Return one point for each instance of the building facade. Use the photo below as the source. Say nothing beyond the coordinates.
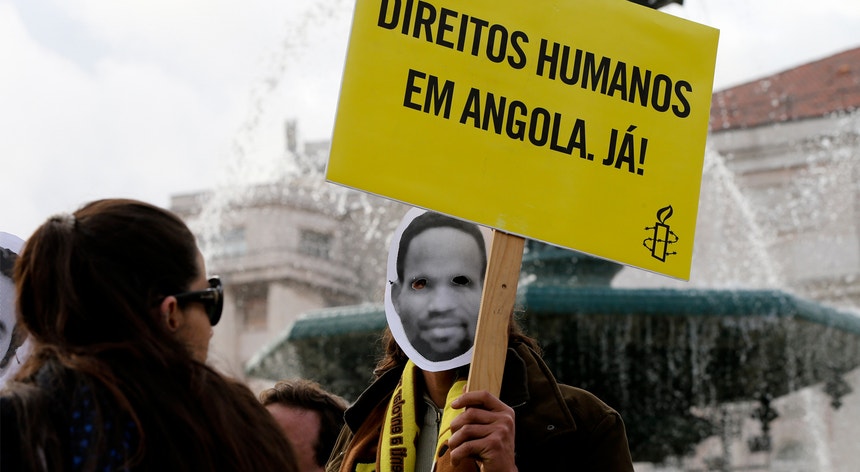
(780, 200)
(780, 208)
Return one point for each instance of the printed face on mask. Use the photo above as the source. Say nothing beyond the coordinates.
(439, 295)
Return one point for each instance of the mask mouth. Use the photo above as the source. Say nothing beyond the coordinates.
(442, 335)
(443, 322)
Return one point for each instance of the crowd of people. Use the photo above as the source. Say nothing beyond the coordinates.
(107, 314)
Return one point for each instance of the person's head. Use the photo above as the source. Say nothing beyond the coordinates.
(439, 269)
(310, 417)
(115, 298)
(116, 272)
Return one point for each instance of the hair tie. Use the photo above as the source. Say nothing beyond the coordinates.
(66, 220)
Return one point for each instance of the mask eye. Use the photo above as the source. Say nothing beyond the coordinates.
(419, 284)
(461, 280)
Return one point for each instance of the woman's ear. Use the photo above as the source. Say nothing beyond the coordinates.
(169, 309)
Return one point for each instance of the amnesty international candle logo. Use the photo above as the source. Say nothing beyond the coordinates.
(661, 236)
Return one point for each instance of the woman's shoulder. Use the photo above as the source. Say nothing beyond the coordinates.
(34, 394)
(10, 444)
(28, 414)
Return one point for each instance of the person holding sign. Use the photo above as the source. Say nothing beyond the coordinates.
(415, 416)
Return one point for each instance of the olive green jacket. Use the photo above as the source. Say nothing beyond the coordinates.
(558, 427)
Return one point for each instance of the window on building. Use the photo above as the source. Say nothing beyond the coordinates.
(233, 242)
(252, 302)
(315, 244)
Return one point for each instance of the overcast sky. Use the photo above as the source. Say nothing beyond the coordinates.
(152, 98)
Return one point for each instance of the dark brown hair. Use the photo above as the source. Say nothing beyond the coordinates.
(309, 395)
(89, 286)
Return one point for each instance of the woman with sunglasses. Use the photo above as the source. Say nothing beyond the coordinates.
(116, 300)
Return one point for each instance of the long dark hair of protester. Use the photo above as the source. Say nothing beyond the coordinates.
(89, 288)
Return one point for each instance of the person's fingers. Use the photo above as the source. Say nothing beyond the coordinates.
(476, 415)
(480, 407)
(489, 447)
(495, 433)
(481, 399)
(484, 431)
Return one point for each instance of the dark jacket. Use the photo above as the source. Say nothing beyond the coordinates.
(558, 427)
(60, 409)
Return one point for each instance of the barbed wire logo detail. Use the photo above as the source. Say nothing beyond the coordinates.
(661, 236)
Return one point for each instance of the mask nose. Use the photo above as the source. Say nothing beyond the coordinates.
(443, 301)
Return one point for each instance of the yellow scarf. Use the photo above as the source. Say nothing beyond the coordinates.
(397, 451)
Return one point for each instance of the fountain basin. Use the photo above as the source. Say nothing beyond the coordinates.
(656, 355)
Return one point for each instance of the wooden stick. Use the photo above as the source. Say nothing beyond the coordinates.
(497, 304)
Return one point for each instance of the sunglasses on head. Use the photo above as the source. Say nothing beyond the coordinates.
(212, 299)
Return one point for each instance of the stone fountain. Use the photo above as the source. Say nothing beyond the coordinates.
(656, 355)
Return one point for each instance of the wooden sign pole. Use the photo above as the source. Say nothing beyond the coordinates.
(497, 303)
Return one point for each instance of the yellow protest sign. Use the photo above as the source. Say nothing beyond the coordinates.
(577, 123)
